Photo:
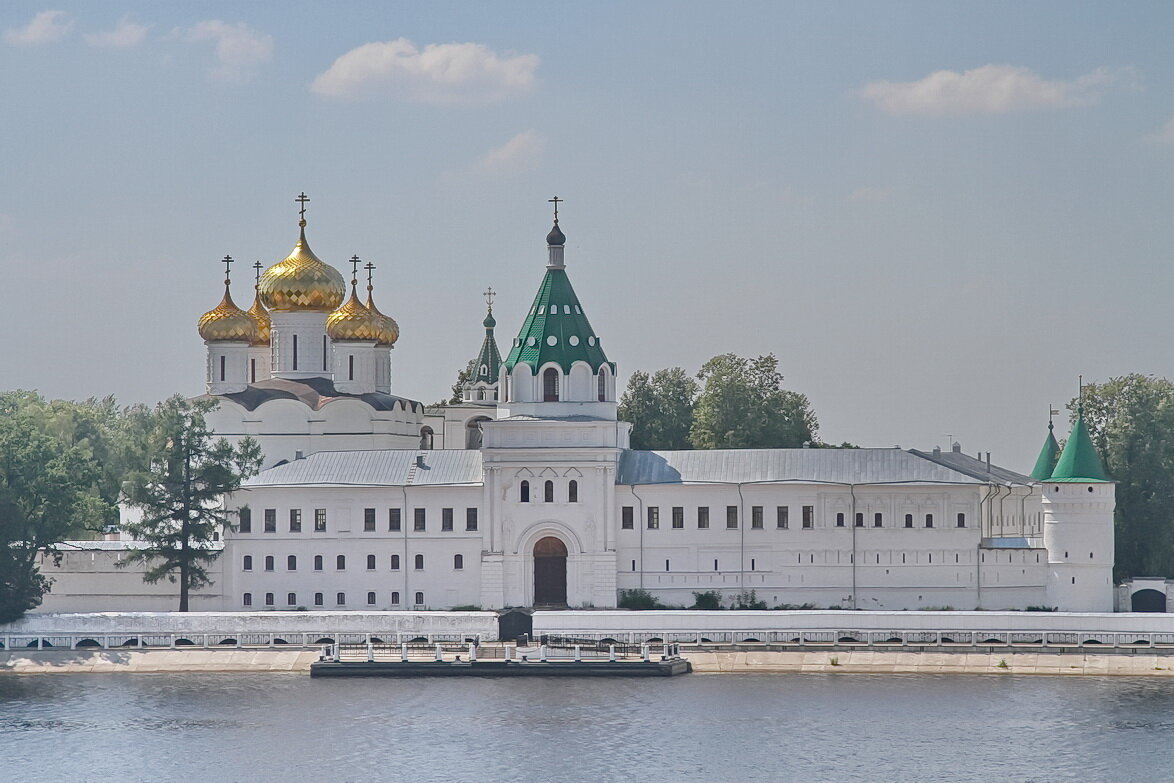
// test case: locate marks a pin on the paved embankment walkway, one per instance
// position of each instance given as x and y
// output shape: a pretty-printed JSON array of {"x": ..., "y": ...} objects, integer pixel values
[
  {"x": 892, "y": 662},
  {"x": 154, "y": 661}
]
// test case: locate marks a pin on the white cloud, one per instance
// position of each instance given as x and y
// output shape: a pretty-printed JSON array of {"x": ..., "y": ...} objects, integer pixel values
[
  {"x": 124, "y": 35},
  {"x": 438, "y": 73},
  {"x": 991, "y": 89},
  {"x": 46, "y": 27},
  {"x": 520, "y": 152},
  {"x": 239, "y": 48},
  {"x": 1164, "y": 136}
]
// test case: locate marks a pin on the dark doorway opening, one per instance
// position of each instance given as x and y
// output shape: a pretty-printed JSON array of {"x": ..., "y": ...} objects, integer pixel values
[
  {"x": 1149, "y": 601},
  {"x": 550, "y": 572}
]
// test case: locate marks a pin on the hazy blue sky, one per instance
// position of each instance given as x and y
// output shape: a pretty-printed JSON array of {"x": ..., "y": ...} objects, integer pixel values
[{"x": 935, "y": 214}]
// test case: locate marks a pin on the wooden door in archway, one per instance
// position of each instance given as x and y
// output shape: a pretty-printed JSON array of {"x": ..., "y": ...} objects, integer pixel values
[{"x": 550, "y": 572}]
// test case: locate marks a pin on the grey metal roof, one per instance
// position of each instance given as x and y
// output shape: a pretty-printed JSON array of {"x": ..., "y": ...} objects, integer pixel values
[
  {"x": 808, "y": 466},
  {"x": 387, "y": 467},
  {"x": 972, "y": 466}
]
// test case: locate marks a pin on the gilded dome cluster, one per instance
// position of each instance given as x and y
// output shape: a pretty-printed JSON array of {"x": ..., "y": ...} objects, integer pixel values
[
  {"x": 388, "y": 328},
  {"x": 302, "y": 281},
  {"x": 228, "y": 323},
  {"x": 353, "y": 321}
]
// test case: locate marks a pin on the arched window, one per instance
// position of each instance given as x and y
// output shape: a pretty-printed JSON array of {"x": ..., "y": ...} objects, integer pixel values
[
  {"x": 291, "y": 563},
  {"x": 548, "y": 492},
  {"x": 317, "y": 562},
  {"x": 602, "y": 384},
  {"x": 573, "y": 491},
  {"x": 291, "y": 599},
  {"x": 419, "y": 599},
  {"x": 395, "y": 598},
  {"x": 908, "y": 520},
  {"x": 395, "y": 563},
  {"x": 222, "y": 368},
  {"x": 371, "y": 599},
  {"x": 269, "y": 599},
  {"x": 419, "y": 562},
  {"x": 340, "y": 562},
  {"x": 340, "y": 598},
  {"x": 550, "y": 385},
  {"x": 524, "y": 492},
  {"x": 370, "y": 562},
  {"x": 458, "y": 562},
  {"x": 426, "y": 438},
  {"x": 247, "y": 563},
  {"x": 268, "y": 562},
  {"x": 318, "y": 600},
  {"x": 247, "y": 599},
  {"x": 351, "y": 369}
]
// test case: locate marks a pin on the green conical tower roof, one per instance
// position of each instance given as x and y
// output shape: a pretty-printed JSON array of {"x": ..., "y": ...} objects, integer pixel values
[
  {"x": 556, "y": 330},
  {"x": 488, "y": 363},
  {"x": 1079, "y": 462},
  {"x": 1049, "y": 455}
]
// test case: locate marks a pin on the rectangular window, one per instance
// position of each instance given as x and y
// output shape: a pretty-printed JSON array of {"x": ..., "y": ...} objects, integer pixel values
[
  {"x": 626, "y": 518},
  {"x": 678, "y": 517},
  {"x": 653, "y": 517},
  {"x": 731, "y": 517},
  {"x": 319, "y": 520},
  {"x": 245, "y": 520},
  {"x": 859, "y": 519},
  {"x": 446, "y": 519},
  {"x": 756, "y": 517},
  {"x": 270, "y": 520},
  {"x": 908, "y": 520},
  {"x": 929, "y": 520},
  {"x": 877, "y": 519},
  {"x": 295, "y": 520},
  {"x": 703, "y": 517},
  {"x": 393, "y": 520},
  {"x": 782, "y": 514},
  {"x": 809, "y": 517},
  {"x": 317, "y": 599},
  {"x": 961, "y": 520},
  {"x": 419, "y": 521},
  {"x": 470, "y": 519},
  {"x": 368, "y": 520}
]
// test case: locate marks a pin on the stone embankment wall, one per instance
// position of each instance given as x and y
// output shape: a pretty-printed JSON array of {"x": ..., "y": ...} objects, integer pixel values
[{"x": 156, "y": 661}]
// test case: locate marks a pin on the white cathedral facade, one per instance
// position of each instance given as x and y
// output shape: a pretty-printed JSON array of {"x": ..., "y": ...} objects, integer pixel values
[{"x": 527, "y": 493}]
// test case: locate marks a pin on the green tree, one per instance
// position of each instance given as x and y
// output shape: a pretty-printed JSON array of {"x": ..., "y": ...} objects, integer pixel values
[
  {"x": 1131, "y": 421},
  {"x": 180, "y": 494},
  {"x": 46, "y": 490},
  {"x": 660, "y": 408},
  {"x": 458, "y": 389},
  {"x": 743, "y": 405}
]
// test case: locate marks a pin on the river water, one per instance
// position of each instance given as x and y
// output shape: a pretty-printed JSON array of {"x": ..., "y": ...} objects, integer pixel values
[{"x": 757, "y": 727}]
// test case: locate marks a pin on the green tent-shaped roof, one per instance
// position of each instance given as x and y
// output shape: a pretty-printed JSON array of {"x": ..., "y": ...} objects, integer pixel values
[
  {"x": 1079, "y": 463},
  {"x": 1049, "y": 455},
  {"x": 488, "y": 362},
  {"x": 556, "y": 330}
]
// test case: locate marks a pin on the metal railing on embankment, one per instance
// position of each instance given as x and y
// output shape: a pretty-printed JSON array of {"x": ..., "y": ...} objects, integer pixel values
[
  {"x": 226, "y": 640},
  {"x": 896, "y": 639},
  {"x": 557, "y": 649}
]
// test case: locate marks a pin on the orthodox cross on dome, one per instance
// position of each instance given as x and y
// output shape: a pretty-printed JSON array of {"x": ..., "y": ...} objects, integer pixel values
[
  {"x": 370, "y": 268},
  {"x": 355, "y": 261},
  {"x": 258, "y": 266},
  {"x": 489, "y": 294},
  {"x": 556, "y": 200},
  {"x": 302, "y": 199},
  {"x": 227, "y": 261}
]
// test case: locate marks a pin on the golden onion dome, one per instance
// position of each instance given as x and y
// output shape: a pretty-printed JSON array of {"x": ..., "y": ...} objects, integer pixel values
[
  {"x": 353, "y": 321},
  {"x": 260, "y": 317},
  {"x": 227, "y": 323},
  {"x": 388, "y": 328},
  {"x": 302, "y": 281}
]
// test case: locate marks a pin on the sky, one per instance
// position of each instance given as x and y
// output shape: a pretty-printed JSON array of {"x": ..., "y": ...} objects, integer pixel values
[{"x": 936, "y": 215}]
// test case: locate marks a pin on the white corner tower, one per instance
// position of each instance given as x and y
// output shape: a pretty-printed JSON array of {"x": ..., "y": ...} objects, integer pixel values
[{"x": 1078, "y": 503}]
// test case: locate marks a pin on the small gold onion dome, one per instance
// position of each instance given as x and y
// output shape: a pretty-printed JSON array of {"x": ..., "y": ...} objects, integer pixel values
[
  {"x": 389, "y": 329},
  {"x": 302, "y": 281},
  {"x": 227, "y": 323},
  {"x": 353, "y": 321},
  {"x": 260, "y": 317}
]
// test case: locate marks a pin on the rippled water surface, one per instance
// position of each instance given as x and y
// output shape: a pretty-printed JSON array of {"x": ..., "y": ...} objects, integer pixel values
[{"x": 260, "y": 727}]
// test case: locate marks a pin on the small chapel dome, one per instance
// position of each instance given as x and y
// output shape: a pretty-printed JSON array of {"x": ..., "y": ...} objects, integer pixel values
[
  {"x": 260, "y": 317},
  {"x": 302, "y": 281},
  {"x": 353, "y": 321},
  {"x": 227, "y": 323},
  {"x": 489, "y": 321},
  {"x": 556, "y": 237},
  {"x": 388, "y": 329}
]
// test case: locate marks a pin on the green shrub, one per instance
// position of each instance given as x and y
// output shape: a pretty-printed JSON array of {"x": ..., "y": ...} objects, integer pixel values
[
  {"x": 466, "y": 608},
  {"x": 1040, "y": 609},
  {"x": 638, "y": 599},
  {"x": 710, "y": 599},
  {"x": 748, "y": 600},
  {"x": 793, "y": 607}
]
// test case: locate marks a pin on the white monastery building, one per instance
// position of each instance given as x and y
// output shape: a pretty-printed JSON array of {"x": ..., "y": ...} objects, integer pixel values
[{"x": 527, "y": 493}]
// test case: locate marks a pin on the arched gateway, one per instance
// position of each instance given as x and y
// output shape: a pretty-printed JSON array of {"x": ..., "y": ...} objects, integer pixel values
[{"x": 550, "y": 572}]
